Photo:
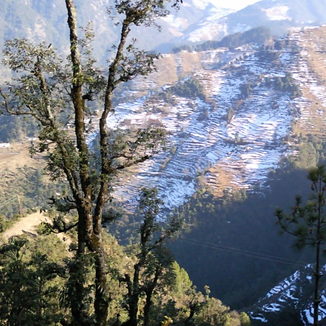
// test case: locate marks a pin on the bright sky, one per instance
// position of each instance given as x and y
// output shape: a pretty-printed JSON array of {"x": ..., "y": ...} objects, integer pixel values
[{"x": 234, "y": 4}]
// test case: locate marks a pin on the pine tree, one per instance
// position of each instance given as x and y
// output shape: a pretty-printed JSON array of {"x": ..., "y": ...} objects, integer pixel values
[{"x": 307, "y": 222}]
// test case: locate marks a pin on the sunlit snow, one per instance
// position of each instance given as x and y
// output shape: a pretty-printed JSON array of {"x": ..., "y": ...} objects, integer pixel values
[
  {"x": 204, "y": 134},
  {"x": 277, "y": 13},
  {"x": 289, "y": 293}
]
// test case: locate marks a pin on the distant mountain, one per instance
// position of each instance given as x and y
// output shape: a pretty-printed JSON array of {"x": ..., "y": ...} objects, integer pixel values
[
  {"x": 279, "y": 15},
  {"x": 45, "y": 20},
  {"x": 196, "y": 21}
]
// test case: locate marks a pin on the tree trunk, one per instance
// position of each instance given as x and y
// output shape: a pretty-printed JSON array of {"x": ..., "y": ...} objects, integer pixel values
[
  {"x": 77, "y": 276},
  {"x": 76, "y": 293},
  {"x": 101, "y": 303},
  {"x": 318, "y": 244},
  {"x": 134, "y": 298},
  {"x": 149, "y": 295},
  {"x": 317, "y": 280},
  {"x": 147, "y": 308}
]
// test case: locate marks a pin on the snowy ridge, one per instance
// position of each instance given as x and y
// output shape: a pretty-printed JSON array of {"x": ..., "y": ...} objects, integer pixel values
[{"x": 278, "y": 15}]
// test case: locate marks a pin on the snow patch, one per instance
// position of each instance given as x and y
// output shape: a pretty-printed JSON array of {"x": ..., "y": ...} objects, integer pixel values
[
  {"x": 230, "y": 4},
  {"x": 207, "y": 32},
  {"x": 5, "y": 145},
  {"x": 259, "y": 317},
  {"x": 277, "y": 13},
  {"x": 271, "y": 307},
  {"x": 176, "y": 22}
]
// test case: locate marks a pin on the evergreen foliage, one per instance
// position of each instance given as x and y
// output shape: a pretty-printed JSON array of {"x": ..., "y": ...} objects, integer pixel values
[
  {"x": 189, "y": 88},
  {"x": 307, "y": 222},
  {"x": 239, "y": 232},
  {"x": 285, "y": 84},
  {"x": 35, "y": 286},
  {"x": 13, "y": 129},
  {"x": 29, "y": 190},
  {"x": 30, "y": 282}
]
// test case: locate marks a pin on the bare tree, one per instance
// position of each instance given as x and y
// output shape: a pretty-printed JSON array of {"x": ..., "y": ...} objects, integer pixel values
[{"x": 56, "y": 92}]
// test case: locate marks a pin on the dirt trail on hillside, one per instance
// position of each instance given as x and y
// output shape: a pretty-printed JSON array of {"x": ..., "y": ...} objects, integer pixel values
[
  {"x": 25, "y": 224},
  {"x": 28, "y": 224}
]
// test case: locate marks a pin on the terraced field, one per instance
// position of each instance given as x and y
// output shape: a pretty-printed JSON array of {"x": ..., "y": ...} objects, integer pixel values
[{"x": 230, "y": 151}]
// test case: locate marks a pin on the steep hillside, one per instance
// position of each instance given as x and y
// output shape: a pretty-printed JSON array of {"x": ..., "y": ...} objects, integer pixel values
[
  {"x": 290, "y": 301},
  {"x": 24, "y": 185},
  {"x": 233, "y": 115}
]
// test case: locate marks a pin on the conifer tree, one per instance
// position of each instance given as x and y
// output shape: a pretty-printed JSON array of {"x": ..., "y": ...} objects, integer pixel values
[
  {"x": 307, "y": 222},
  {"x": 28, "y": 292}
]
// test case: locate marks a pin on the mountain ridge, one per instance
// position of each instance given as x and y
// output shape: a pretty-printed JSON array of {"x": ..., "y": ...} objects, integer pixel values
[{"x": 279, "y": 15}]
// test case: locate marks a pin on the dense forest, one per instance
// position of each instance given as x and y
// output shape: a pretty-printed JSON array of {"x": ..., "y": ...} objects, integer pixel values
[
  {"x": 36, "y": 288},
  {"x": 224, "y": 227}
]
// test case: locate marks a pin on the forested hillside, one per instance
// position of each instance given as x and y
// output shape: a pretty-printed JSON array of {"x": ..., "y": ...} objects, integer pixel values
[
  {"x": 237, "y": 240},
  {"x": 38, "y": 269}
]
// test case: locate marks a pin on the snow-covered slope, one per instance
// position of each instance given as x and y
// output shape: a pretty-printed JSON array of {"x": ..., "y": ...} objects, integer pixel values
[
  {"x": 293, "y": 298},
  {"x": 256, "y": 103}
]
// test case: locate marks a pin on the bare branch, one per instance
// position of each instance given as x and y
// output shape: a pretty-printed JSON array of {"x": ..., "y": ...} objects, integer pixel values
[{"x": 8, "y": 109}]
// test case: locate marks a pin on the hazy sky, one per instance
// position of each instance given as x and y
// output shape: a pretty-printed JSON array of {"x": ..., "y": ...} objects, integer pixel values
[
  {"x": 237, "y": 4},
  {"x": 234, "y": 4}
]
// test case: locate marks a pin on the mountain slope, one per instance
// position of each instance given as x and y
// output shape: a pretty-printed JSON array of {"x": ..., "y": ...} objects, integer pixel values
[
  {"x": 279, "y": 15},
  {"x": 45, "y": 20},
  {"x": 258, "y": 105},
  {"x": 292, "y": 297}
]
